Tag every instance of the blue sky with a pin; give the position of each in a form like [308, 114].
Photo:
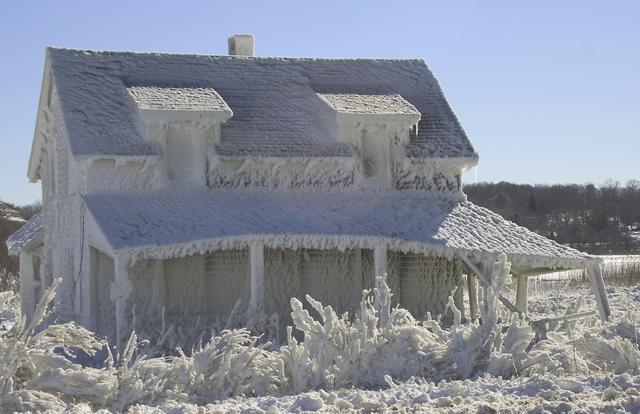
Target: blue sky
[548, 91]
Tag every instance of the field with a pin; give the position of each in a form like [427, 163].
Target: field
[377, 360]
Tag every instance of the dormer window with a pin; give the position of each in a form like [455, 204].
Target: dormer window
[377, 126]
[185, 123]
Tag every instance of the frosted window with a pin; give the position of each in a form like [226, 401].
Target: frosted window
[180, 157]
[226, 280]
[375, 160]
[36, 267]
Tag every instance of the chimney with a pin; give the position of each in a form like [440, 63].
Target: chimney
[241, 45]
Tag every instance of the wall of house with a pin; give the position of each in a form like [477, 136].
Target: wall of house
[423, 284]
[106, 175]
[184, 280]
[427, 175]
[191, 290]
[62, 210]
[227, 280]
[147, 295]
[381, 160]
[31, 280]
[283, 173]
[330, 276]
[199, 287]
[102, 307]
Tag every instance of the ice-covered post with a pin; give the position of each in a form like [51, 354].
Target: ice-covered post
[521, 293]
[159, 288]
[472, 288]
[595, 275]
[120, 291]
[256, 255]
[379, 261]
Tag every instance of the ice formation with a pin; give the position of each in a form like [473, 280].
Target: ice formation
[179, 189]
[376, 346]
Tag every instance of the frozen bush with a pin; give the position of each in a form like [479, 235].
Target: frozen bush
[376, 346]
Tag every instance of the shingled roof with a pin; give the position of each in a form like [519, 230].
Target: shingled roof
[273, 100]
[169, 224]
[27, 236]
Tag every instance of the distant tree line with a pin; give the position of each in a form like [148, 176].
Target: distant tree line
[8, 227]
[597, 219]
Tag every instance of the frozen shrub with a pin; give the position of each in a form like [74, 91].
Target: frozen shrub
[376, 346]
[9, 281]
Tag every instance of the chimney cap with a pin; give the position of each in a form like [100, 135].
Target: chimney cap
[241, 45]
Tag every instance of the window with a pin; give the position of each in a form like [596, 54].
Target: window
[376, 166]
[180, 155]
[227, 276]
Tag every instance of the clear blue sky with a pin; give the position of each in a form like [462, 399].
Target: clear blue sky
[548, 91]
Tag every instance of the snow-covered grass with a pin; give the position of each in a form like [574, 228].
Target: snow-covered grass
[619, 270]
[377, 359]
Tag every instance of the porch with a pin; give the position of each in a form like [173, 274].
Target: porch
[271, 234]
[261, 280]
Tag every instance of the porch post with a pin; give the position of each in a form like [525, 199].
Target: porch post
[472, 288]
[595, 275]
[522, 302]
[86, 288]
[256, 255]
[380, 262]
[159, 287]
[120, 291]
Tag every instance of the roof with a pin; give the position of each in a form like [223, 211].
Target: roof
[276, 112]
[27, 237]
[167, 224]
[185, 99]
[351, 103]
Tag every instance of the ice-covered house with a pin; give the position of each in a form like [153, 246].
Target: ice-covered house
[178, 184]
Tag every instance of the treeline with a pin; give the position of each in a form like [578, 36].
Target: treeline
[597, 219]
[8, 227]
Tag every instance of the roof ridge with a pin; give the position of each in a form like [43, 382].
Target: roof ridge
[200, 55]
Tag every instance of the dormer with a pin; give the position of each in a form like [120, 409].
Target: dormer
[378, 127]
[185, 124]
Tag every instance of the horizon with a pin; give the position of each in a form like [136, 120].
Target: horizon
[547, 93]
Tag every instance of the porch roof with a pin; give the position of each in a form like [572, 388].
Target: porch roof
[174, 224]
[27, 237]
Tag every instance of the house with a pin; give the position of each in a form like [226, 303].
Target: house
[175, 185]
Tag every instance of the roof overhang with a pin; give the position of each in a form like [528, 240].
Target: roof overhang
[165, 105]
[371, 109]
[42, 114]
[167, 116]
[165, 225]
[28, 237]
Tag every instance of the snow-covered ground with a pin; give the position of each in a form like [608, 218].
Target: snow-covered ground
[584, 391]
[582, 366]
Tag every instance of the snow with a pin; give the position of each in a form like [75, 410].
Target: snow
[375, 360]
[174, 224]
[184, 99]
[27, 235]
[352, 103]
[273, 100]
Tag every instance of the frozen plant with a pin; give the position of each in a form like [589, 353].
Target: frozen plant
[376, 346]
